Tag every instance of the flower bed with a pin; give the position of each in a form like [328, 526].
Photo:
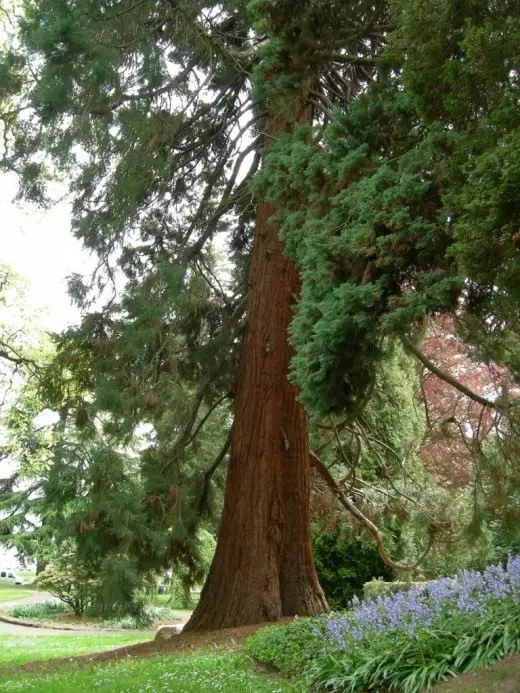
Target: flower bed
[406, 641]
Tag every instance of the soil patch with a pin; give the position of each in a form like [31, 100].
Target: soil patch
[230, 639]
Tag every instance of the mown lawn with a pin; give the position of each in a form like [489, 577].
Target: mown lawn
[10, 593]
[16, 649]
[194, 673]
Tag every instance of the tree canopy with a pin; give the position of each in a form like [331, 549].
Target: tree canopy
[380, 139]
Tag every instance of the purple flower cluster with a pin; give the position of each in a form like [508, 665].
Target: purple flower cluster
[469, 592]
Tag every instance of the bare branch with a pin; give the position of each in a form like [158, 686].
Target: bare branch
[413, 349]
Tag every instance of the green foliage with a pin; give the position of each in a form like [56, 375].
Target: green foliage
[46, 611]
[71, 582]
[50, 611]
[496, 499]
[404, 204]
[186, 576]
[142, 385]
[344, 564]
[380, 588]
[288, 648]
[400, 203]
[461, 534]
[453, 645]
[144, 618]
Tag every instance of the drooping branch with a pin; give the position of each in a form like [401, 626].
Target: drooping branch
[208, 474]
[205, 418]
[185, 436]
[356, 512]
[430, 365]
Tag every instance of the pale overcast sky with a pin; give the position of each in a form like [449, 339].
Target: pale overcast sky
[38, 245]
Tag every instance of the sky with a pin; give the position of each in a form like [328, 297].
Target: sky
[38, 245]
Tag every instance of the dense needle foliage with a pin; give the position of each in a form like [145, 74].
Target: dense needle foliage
[404, 205]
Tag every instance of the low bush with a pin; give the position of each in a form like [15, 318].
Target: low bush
[381, 588]
[144, 619]
[43, 610]
[49, 611]
[286, 648]
[406, 641]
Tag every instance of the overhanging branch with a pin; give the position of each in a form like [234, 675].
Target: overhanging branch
[356, 512]
[429, 364]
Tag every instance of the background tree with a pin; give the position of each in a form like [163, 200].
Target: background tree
[70, 582]
[458, 425]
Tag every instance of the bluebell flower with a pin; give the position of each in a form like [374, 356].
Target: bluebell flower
[468, 593]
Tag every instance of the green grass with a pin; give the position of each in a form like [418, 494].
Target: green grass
[17, 649]
[10, 593]
[194, 673]
[164, 600]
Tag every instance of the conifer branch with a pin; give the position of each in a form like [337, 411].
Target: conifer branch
[10, 354]
[203, 499]
[205, 418]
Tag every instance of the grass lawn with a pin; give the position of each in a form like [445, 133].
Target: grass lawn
[164, 600]
[17, 649]
[193, 673]
[10, 593]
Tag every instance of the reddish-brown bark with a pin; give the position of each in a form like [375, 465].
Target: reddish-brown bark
[263, 567]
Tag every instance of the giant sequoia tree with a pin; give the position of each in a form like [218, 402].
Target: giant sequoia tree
[160, 114]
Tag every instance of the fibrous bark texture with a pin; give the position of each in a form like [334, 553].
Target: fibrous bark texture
[263, 567]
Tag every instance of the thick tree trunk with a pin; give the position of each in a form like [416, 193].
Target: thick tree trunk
[41, 565]
[263, 567]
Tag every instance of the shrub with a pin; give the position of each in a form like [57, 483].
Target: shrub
[43, 610]
[285, 647]
[144, 619]
[381, 588]
[344, 564]
[70, 582]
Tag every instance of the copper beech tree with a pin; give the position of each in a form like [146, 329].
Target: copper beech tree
[457, 424]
